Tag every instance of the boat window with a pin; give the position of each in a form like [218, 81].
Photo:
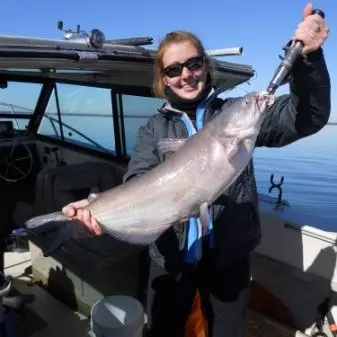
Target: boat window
[136, 111]
[80, 115]
[18, 99]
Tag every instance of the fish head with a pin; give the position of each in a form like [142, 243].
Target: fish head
[247, 113]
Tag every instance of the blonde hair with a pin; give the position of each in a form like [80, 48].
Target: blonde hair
[178, 36]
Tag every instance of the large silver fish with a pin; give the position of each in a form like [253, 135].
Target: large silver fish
[197, 172]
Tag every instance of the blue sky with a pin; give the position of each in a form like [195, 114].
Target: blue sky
[261, 27]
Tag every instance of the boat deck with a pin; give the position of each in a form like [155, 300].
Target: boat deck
[48, 317]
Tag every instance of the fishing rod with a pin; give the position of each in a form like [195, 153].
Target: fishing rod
[292, 54]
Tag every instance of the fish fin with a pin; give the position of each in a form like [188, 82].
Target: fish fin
[92, 197]
[170, 144]
[204, 215]
[140, 237]
[46, 222]
[132, 238]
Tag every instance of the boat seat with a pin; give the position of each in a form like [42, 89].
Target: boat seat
[56, 187]
[83, 270]
[79, 181]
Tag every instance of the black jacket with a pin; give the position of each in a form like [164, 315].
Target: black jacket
[235, 214]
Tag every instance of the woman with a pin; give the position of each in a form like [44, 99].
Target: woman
[219, 267]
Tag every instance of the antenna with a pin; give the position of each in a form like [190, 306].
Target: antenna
[132, 41]
[225, 51]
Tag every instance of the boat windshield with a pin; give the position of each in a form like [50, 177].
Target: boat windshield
[17, 104]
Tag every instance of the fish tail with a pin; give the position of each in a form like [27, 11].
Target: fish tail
[46, 222]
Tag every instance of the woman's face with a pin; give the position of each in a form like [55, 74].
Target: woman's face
[185, 70]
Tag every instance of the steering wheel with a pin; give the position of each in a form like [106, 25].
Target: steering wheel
[16, 160]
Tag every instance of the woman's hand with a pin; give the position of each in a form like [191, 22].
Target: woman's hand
[312, 31]
[75, 211]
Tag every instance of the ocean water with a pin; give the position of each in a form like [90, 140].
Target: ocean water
[309, 167]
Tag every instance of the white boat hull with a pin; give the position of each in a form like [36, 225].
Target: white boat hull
[296, 261]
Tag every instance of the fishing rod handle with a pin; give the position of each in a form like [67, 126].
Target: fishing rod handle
[288, 61]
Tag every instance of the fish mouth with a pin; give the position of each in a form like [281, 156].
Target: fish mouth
[265, 98]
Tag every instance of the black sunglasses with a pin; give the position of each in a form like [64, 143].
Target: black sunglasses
[194, 63]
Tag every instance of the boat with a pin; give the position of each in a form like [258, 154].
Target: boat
[69, 112]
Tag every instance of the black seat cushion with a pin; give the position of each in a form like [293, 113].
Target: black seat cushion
[81, 180]
[56, 187]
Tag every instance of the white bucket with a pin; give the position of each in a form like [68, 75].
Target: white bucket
[117, 316]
